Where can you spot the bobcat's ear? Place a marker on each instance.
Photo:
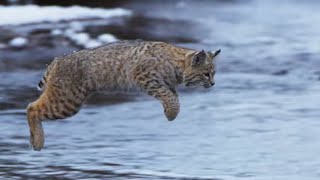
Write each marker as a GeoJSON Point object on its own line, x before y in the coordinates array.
{"type": "Point", "coordinates": [214, 54]}
{"type": "Point", "coordinates": [199, 58]}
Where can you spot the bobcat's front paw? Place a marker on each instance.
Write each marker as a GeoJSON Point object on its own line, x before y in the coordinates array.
{"type": "Point", "coordinates": [171, 113]}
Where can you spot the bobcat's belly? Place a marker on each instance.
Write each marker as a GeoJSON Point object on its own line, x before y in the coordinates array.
{"type": "Point", "coordinates": [117, 84]}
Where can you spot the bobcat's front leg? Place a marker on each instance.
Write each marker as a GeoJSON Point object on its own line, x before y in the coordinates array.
{"type": "Point", "coordinates": [167, 96]}
{"type": "Point", "coordinates": [169, 100]}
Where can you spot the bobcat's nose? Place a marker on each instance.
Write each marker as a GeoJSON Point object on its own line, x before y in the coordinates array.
{"type": "Point", "coordinates": [212, 84]}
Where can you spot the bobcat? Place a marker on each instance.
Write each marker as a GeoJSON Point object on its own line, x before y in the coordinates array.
{"type": "Point", "coordinates": [154, 67]}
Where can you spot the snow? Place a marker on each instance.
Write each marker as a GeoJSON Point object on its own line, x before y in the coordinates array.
{"type": "Point", "coordinates": [84, 39]}
{"type": "Point", "coordinates": [18, 42]}
{"type": "Point", "coordinates": [79, 38]}
{"type": "Point", "coordinates": [92, 43]}
{"type": "Point", "coordinates": [107, 38]}
{"type": "Point", "coordinates": [56, 32]}
{"type": "Point", "coordinates": [69, 32]}
{"type": "Point", "coordinates": [76, 26]}
{"type": "Point", "coordinates": [14, 15]}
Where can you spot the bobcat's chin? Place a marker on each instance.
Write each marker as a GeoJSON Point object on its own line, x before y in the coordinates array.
{"type": "Point", "coordinates": [208, 85]}
{"type": "Point", "coordinates": [191, 84]}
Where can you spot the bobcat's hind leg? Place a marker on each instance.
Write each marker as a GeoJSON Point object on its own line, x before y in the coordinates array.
{"type": "Point", "coordinates": [36, 130]}
{"type": "Point", "coordinates": [53, 104]}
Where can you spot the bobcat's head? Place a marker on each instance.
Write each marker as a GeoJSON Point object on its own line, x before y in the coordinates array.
{"type": "Point", "coordinates": [201, 69]}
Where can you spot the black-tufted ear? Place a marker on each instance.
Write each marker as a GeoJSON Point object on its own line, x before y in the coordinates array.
{"type": "Point", "coordinates": [199, 58]}
{"type": "Point", "coordinates": [213, 54]}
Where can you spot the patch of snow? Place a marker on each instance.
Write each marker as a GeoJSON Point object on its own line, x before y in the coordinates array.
{"type": "Point", "coordinates": [56, 32]}
{"type": "Point", "coordinates": [18, 42]}
{"type": "Point", "coordinates": [69, 33]}
{"type": "Point", "coordinates": [80, 38]}
{"type": "Point", "coordinates": [14, 15]}
{"type": "Point", "coordinates": [92, 44]}
{"type": "Point", "coordinates": [107, 38]}
{"type": "Point", "coordinates": [76, 26]}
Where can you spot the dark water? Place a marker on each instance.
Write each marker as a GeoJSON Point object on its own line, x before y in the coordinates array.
{"type": "Point", "coordinates": [260, 121]}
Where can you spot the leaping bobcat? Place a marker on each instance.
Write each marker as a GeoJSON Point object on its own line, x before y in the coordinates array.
{"type": "Point", "coordinates": [154, 67]}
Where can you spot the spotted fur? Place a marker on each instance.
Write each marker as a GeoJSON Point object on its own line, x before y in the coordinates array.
{"type": "Point", "coordinates": [154, 67]}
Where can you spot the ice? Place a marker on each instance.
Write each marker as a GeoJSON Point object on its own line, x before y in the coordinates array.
{"type": "Point", "coordinates": [107, 38]}
{"type": "Point", "coordinates": [18, 42]}
{"type": "Point", "coordinates": [14, 15]}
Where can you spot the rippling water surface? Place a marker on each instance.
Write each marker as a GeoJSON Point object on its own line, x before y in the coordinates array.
{"type": "Point", "coordinates": [260, 121]}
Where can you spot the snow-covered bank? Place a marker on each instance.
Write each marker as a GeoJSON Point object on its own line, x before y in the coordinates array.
{"type": "Point", "coordinates": [14, 15]}
{"type": "Point", "coordinates": [31, 36]}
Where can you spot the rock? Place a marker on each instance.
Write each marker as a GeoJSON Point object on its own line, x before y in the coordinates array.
{"type": "Point", "coordinates": [281, 72]}
{"type": "Point", "coordinates": [34, 56]}
{"type": "Point", "coordinates": [6, 35]}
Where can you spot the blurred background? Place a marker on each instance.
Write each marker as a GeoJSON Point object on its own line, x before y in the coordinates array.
{"type": "Point", "coordinates": [260, 120]}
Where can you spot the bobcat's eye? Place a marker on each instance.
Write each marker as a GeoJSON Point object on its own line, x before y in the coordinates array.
{"type": "Point", "coordinates": [207, 75]}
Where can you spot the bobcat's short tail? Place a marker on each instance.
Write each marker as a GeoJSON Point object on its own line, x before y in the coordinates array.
{"type": "Point", "coordinates": [36, 131]}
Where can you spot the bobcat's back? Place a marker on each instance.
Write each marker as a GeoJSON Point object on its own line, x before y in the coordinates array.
{"type": "Point", "coordinates": [112, 67]}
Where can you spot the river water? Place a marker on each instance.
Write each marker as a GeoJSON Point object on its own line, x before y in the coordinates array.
{"type": "Point", "coordinates": [260, 121]}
